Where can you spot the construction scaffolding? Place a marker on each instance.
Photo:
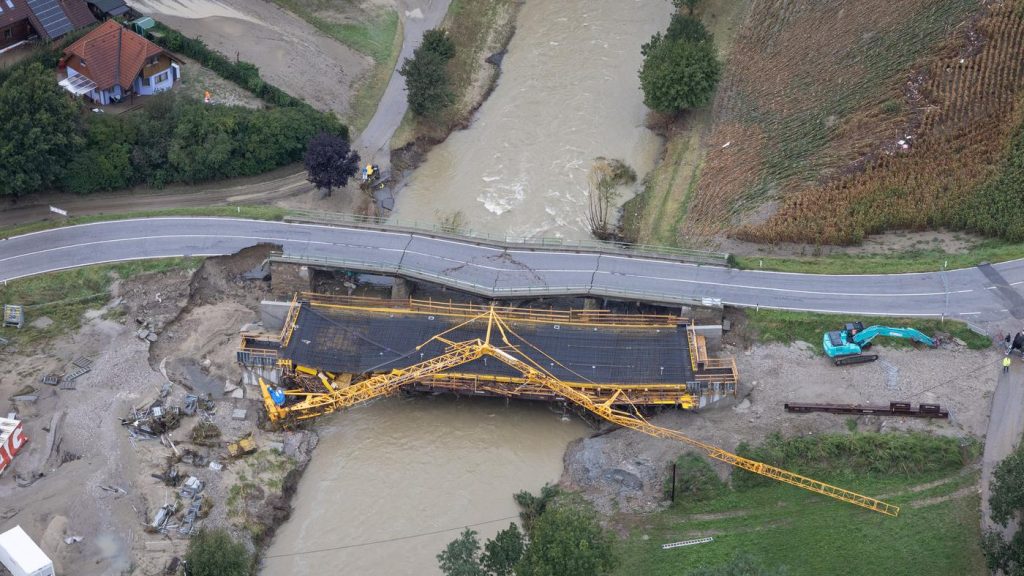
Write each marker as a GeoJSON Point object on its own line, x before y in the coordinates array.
{"type": "Point", "coordinates": [595, 351]}
{"type": "Point", "coordinates": [502, 343]}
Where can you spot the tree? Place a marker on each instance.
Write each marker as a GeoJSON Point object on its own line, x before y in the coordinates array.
{"type": "Point", "coordinates": [329, 161]}
{"type": "Point", "coordinates": [533, 506]}
{"type": "Point", "coordinates": [687, 29]}
{"type": "Point", "coordinates": [104, 163]}
{"type": "Point", "coordinates": [677, 75]}
{"type": "Point", "coordinates": [215, 553]}
{"type": "Point", "coordinates": [426, 75]}
{"type": "Point", "coordinates": [689, 4]}
{"type": "Point", "coordinates": [438, 42]}
{"type": "Point", "coordinates": [461, 556]}
{"type": "Point", "coordinates": [503, 552]}
{"type": "Point", "coordinates": [567, 541]}
{"type": "Point", "coordinates": [40, 131]}
{"type": "Point", "coordinates": [1006, 502]}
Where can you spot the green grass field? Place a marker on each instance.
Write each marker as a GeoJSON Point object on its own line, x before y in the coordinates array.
{"type": "Point", "coordinates": [893, 263]}
{"type": "Point", "coordinates": [936, 533]}
{"type": "Point", "coordinates": [788, 327]}
{"type": "Point", "coordinates": [378, 35]}
{"type": "Point", "coordinates": [251, 212]}
{"type": "Point", "coordinates": [64, 296]}
{"type": "Point", "coordinates": [812, 535]}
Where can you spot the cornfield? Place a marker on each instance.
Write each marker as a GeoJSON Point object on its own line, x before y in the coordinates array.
{"type": "Point", "coordinates": [963, 112]}
{"type": "Point", "coordinates": [812, 91]}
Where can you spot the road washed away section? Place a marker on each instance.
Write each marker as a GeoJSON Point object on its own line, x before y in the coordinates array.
{"type": "Point", "coordinates": [492, 270]}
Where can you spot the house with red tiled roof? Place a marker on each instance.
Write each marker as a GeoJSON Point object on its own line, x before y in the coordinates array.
{"type": "Point", "coordinates": [24, 20]}
{"type": "Point", "coordinates": [112, 63]}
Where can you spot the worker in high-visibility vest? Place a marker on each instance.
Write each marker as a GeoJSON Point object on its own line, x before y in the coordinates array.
{"type": "Point", "coordinates": [1006, 364]}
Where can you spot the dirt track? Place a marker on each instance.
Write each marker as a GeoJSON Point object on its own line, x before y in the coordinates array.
{"type": "Point", "coordinates": [285, 183]}
{"type": "Point", "coordinates": [289, 52]}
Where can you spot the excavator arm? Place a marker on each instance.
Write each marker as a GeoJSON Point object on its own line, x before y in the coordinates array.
{"type": "Point", "coordinates": [868, 334]}
{"type": "Point", "coordinates": [459, 353]}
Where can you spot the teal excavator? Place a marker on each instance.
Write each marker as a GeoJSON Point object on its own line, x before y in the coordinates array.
{"type": "Point", "coordinates": [847, 346]}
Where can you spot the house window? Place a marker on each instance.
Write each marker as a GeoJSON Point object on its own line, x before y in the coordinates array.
{"type": "Point", "coordinates": [161, 77]}
{"type": "Point", "coordinates": [7, 34]}
{"type": "Point", "coordinates": [153, 60]}
{"type": "Point", "coordinates": [82, 61]}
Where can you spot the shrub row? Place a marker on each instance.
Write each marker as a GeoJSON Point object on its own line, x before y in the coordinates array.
{"type": "Point", "coordinates": [839, 455]}
{"type": "Point", "coordinates": [176, 139]}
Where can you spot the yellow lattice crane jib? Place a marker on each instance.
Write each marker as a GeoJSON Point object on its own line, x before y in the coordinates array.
{"type": "Point", "coordinates": [458, 353]}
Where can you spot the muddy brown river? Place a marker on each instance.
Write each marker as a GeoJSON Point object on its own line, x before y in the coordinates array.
{"type": "Point", "coordinates": [390, 484]}
{"type": "Point", "coordinates": [568, 93]}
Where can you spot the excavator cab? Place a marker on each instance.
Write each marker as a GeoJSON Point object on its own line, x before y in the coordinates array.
{"type": "Point", "coordinates": [852, 328]}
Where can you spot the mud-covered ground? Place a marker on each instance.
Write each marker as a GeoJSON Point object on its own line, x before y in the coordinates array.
{"type": "Point", "coordinates": [86, 477]}
{"type": "Point", "coordinates": [625, 471]}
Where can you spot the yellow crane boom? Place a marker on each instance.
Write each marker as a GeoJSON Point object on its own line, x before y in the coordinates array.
{"type": "Point", "coordinates": [459, 353]}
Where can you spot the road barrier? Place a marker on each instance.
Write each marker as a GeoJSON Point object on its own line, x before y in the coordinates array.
{"type": "Point", "coordinates": [493, 291]}
{"type": "Point", "coordinates": [438, 231]}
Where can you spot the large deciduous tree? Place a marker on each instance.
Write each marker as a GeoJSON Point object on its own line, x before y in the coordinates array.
{"type": "Point", "coordinates": [1007, 503]}
{"type": "Point", "coordinates": [330, 161]}
{"type": "Point", "coordinates": [681, 69]}
{"type": "Point", "coordinates": [503, 552]}
{"type": "Point", "coordinates": [40, 132]}
{"type": "Point", "coordinates": [566, 540]}
{"type": "Point", "coordinates": [462, 556]}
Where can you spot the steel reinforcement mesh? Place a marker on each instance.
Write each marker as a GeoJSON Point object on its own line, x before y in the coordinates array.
{"type": "Point", "coordinates": [358, 342]}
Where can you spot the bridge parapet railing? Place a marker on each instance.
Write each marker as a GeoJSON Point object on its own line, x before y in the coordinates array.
{"type": "Point", "coordinates": [489, 291]}
{"type": "Point", "coordinates": [428, 229]}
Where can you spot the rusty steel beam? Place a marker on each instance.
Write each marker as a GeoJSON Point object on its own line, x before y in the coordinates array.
{"type": "Point", "coordinates": [893, 409]}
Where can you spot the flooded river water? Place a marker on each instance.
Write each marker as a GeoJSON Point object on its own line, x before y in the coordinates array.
{"type": "Point", "coordinates": [568, 93]}
{"type": "Point", "coordinates": [390, 484]}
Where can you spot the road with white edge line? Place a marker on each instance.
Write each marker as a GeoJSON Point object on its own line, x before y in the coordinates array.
{"type": "Point", "coordinates": [495, 271]}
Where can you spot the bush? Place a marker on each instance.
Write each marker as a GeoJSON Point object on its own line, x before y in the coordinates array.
{"type": "Point", "coordinates": [1007, 503]}
{"type": "Point", "coordinates": [842, 455]}
{"type": "Point", "coordinates": [39, 131]}
{"type": "Point", "coordinates": [426, 75]}
{"type": "Point", "coordinates": [215, 553]}
{"type": "Point", "coordinates": [567, 541]}
{"type": "Point", "coordinates": [695, 480]}
{"type": "Point", "coordinates": [678, 74]}
{"type": "Point", "coordinates": [105, 162]}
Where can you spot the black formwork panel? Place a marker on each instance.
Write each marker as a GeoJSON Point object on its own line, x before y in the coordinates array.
{"type": "Point", "coordinates": [357, 342]}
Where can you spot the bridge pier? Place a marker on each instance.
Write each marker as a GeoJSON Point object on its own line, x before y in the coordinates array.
{"type": "Point", "coordinates": [286, 279]}
{"type": "Point", "coordinates": [401, 289]}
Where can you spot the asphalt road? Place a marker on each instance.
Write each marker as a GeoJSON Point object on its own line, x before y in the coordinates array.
{"type": "Point", "coordinates": [494, 271]}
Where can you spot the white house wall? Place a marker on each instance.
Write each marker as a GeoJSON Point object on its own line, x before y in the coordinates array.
{"type": "Point", "coordinates": [154, 86]}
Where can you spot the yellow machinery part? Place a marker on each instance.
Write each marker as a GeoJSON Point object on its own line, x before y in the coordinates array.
{"type": "Point", "coordinates": [459, 353]}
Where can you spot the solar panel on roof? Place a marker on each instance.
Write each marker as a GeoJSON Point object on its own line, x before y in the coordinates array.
{"type": "Point", "coordinates": [55, 22]}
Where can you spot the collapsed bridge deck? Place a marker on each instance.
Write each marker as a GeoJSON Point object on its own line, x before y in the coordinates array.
{"type": "Point", "coordinates": [343, 340]}
{"type": "Point", "coordinates": [657, 359]}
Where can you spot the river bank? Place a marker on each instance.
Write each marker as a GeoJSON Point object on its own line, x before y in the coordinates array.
{"type": "Point", "coordinates": [568, 95]}
{"type": "Point", "coordinates": [481, 32]}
